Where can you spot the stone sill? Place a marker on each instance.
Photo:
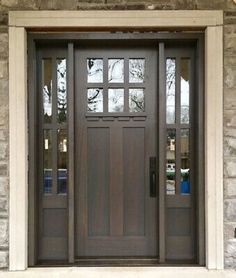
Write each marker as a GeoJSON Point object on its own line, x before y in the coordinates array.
{"type": "Point", "coordinates": [117, 272]}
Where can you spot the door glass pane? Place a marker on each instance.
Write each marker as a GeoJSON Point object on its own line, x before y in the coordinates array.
{"type": "Point", "coordinates": [94, 70]}
{"type": "Point", "coordinates": [47, 90]}
{"type": "Point", "coordinates": [170, 162]}
{"type": "Point", "coordinates": [185, 75]}
{"type": "Point", "coordinates": [136, 70]}
{"type": "Point", "coordinates": [62, 161]}
{"type": "Point", "coordinates": [115, 70]}
{"type": "Point", "coordinates": [95, 100]}
{"type": "Point", "coordinates": [136, 100]}
{"type": "Point", "coordinates": [61, 90]}
{"type": "Point", "coordinates": [170, 91]}
{"type": "Point", "coordinates": [115, 100]}
{"type": "Point", "coordinates": [47, 161]}
{"type": "Point", "coordinates": [185, 159]}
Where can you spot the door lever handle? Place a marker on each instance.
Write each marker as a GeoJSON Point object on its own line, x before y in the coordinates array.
{"type": "Point", "coordinates": [152, 176]}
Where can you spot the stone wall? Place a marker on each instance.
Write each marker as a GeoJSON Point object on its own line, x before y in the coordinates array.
{"type": "Point", "coordinates": [229, 96]}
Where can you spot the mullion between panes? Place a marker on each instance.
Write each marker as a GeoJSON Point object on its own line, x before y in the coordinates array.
{"type": "Point", "coordinates": [126, 85]}
{"type": "Point", "coordinates": [54, 124]}
{"type": "Point", "coordinates": [105, 85]}
{"type": "Point", "coordinates": [178, 126]}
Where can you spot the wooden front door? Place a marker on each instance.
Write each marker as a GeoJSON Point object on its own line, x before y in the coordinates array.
{"type": "Point", "coordinates": [116, 142]}
{"type": "Point", "coordinates": [115, 150]}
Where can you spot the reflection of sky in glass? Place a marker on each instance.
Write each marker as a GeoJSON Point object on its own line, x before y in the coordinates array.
{"type": "Point", "coordinates": [184, 101]}
{"type": "Point", "coordinates": [136, 100]}
{"type": "Point", "coordinates": [116, 70]}
{"type": "Point", "coordinates": [115, 100]}
{"type": "Point", "coordinates": [170, 91]}
{"type": "Point", "coordinates": [61, 89]}
{"type": "Point", "coordinates": [95, 70]}
{"type": "Point", "coordinates": [95, 100]}
{"type": "Point", "coordinates": [136, 70]}
{"type": "Point", "coordinates": [185, 62]}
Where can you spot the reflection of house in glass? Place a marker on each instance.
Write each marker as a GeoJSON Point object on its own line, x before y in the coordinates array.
{"type": "Point", "coordinates": [171, 162]}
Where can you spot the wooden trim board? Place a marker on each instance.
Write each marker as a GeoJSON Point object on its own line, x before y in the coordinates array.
{"type": "Point", "coordinates": [19, 21]}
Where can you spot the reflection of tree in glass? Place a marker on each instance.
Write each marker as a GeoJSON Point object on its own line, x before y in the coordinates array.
{"type": "Point", "coordinates": [185, 114]}
{"type": "Point", "coordinates": [94, 70]}
{"type": "Point", "coordinates": [136, 101]}
{"type": "Point", "coordinates": [94, 100]}
{"type": "Point", "coordinates": [170, 76]}
{"type": "Point", "coordinates": [116, 70]}
{"type": "Point", "coordinates": [61, 90]}
{"type": "Point", "coordinates": [116, 100]}
{"type": "Point", "coordinates": [136, 70]}
{"type": "Point", "coordinates": [170, 90]}
{"type": "Point", "coordinates": [47, 101]}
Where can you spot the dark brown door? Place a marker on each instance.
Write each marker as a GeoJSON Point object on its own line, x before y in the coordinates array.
{"type": "Point", "coordinates": [115, 141]}
{"type": "Point", "coordinates": [116, 152]}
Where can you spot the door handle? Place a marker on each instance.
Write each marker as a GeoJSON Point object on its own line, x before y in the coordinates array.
{"type": "Point", "coordinates": [152, 176]}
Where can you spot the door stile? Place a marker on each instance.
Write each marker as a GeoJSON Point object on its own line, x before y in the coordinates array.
{"type": "Point", "coordinates": [161, 151]}
{"type": "Point", "coordinates": [193, 149]}
{"type": "Point", "coordinates": [71, 221]}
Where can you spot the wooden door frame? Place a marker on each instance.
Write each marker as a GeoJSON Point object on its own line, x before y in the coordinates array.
{"type": "Point", "coordinates": [69, 41]}
{"type": "Point", "coordinates": [21, 22]}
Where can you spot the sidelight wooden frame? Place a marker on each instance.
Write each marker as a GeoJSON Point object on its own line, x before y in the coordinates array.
{"type": "Point", "coordinates": [20, 22]}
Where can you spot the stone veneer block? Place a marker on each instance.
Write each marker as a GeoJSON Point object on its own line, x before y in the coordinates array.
{"type": "Point", "coordinates": [230, 210]}
{"type": "Point", "coordinates": [3, 259]}
{"type": "Point", "coordinates": [230, 188]}
{"type": "Point", "coordinates": [3, 233]}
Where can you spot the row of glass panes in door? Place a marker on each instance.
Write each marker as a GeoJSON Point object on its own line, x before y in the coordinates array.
{"type": "Point", "coordinates": [115, 74]}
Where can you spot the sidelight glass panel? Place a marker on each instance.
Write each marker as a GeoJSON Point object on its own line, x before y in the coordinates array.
{"type": "Point", "coordinates": [95, 100]}
{"type": "Point", "coordinates": [170, 162]}
{"type": "Point", "coordinates": [170, 91]}
{"type": "Point", "coordinates": [185, 161]}
{"type": "Point", "coordinates": [94, 70]}
{"type": "Point", "coordinates": [136, 70]}
{"type": "Point", "coordinates": [136, 100]}
{"type": "Point", "coordinates": [185, 76]}
{"type": "Point", "coordinates": [61, 90]}
{"type": "Point", "coordinates": [47, 90]}
{"type": "Point", "coordinates": [47, 161]}
{"type": "Point", "coordinates": [115, 70]}
{"type": "Point", "coordinates": [115, 100]}
{"type": "Point", "coordinates": [62, 161]}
